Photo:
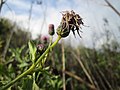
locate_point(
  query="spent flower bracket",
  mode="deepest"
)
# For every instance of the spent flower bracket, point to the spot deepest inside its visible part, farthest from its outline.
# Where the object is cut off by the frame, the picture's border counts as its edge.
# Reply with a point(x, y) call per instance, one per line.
point(70, 21)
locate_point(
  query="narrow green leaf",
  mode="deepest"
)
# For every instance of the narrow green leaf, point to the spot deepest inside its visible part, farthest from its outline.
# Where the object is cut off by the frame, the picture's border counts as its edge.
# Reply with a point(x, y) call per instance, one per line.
point(32, 49)
point(27, 83)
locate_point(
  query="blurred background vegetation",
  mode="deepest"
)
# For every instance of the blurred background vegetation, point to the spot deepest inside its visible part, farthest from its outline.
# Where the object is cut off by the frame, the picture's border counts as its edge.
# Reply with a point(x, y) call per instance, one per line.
point(85, 67)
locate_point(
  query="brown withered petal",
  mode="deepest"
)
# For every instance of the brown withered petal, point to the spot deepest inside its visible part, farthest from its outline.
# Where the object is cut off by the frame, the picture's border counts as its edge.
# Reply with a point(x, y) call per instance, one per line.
point(70, 22)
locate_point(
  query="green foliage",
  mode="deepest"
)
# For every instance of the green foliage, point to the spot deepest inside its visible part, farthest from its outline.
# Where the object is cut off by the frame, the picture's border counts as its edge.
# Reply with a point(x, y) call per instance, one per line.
point(102, 65)
point(33, 50)
point(27, 83)
point(4, 31)
point(19, 37)
point(45, 80)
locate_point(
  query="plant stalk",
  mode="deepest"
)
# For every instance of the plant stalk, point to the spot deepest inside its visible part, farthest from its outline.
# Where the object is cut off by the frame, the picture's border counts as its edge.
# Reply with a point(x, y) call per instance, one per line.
point(18, 78)
point(30, 70)
point(63, 64)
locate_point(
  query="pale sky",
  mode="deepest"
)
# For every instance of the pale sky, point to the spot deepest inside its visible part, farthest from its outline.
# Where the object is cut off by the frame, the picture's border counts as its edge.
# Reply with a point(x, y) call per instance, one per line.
point(92, 12)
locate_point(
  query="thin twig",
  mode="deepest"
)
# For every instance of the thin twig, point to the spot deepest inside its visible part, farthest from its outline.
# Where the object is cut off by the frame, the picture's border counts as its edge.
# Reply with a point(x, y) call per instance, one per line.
point(8, 42)
point(103, 76)
point(63, 63)
point(112, 7)
point(84, 69)
point(1, 4)
point(91, 70)
point(80, 80)
point(30, 15)
point(97, 76)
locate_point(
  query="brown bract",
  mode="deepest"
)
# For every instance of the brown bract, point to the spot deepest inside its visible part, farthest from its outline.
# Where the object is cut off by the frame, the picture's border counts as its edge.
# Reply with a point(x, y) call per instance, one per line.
point(70, 21)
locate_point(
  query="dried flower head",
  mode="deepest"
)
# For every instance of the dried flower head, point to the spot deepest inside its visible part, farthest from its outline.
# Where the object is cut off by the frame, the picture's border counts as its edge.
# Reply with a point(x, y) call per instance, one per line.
point(70, 21)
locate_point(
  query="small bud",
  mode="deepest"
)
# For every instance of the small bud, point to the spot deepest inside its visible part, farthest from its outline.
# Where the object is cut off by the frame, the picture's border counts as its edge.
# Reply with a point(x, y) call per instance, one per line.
point(51, 29)
point(40, 48)
point(44, 39)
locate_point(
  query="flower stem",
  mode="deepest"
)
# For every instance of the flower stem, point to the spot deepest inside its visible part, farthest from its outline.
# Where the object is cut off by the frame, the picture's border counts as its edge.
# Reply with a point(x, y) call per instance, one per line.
point(18, 78)
point(30, 70)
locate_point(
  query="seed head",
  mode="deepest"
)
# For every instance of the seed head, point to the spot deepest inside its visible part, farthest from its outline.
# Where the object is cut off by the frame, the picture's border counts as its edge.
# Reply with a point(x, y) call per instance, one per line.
point(70, 22)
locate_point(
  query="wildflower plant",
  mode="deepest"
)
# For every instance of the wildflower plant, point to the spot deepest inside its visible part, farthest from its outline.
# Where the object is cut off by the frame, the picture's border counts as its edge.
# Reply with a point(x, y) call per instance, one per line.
point(38, 54)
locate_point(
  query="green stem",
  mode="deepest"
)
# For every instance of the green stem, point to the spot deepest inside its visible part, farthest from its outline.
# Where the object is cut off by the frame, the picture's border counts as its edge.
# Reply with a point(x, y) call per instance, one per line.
point(18, 78)
point(30, 70)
